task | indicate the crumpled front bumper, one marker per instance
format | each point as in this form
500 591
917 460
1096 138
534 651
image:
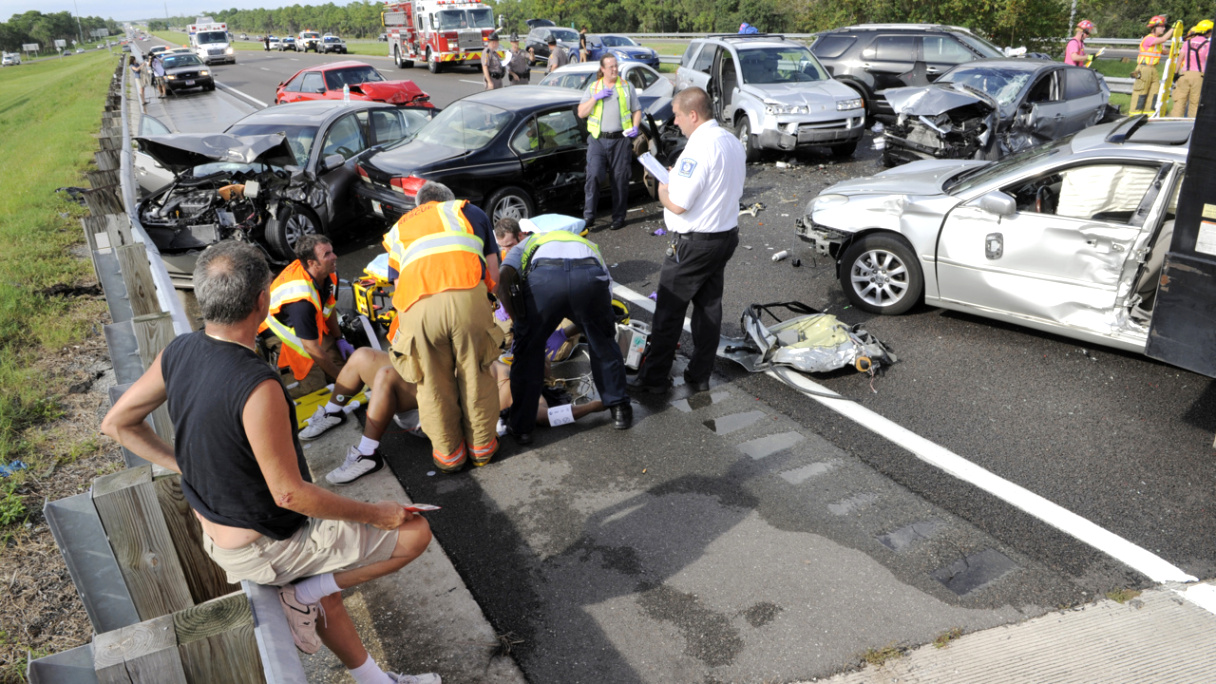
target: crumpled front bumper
790 136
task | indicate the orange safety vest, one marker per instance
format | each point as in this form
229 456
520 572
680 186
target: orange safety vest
1149 54
435 250
294 284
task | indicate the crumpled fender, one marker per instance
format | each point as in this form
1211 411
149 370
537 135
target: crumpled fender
932 100
393 92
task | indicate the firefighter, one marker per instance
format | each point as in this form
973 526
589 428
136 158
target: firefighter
492 70
1074 51
1192 62
1144 90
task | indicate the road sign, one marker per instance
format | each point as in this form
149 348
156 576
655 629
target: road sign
30 47
60 43
99 33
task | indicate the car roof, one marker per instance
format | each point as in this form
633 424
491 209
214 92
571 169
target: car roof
311 111
591 67
900 27
752 40
1013 63
1157 137
526 98
330 66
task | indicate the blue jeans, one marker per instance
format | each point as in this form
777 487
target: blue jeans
580 292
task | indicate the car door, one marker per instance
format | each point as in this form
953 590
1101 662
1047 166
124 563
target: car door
552 149
724 86
1059 257
940 53
697 74
1085 103
291 90
1045 105
887 57
346 136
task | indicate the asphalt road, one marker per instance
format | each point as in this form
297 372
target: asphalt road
753 535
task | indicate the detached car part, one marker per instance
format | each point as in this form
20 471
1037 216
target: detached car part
812 342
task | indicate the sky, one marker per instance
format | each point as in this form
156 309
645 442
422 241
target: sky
139 9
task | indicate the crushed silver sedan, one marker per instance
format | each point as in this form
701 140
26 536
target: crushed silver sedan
1067 237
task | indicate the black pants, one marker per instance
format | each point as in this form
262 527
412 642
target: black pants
580 292
695 273
614 159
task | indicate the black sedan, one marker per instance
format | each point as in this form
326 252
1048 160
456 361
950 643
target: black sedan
272 177
514 152
186 71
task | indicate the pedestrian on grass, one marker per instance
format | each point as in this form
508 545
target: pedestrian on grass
701 210
613 115
243 471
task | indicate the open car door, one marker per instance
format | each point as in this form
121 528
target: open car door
1183 328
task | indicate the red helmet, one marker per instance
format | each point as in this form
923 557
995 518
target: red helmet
1158 20
1085 25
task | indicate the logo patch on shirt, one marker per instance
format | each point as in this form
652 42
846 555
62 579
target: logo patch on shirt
686 167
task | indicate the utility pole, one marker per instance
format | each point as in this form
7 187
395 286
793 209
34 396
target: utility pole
79 29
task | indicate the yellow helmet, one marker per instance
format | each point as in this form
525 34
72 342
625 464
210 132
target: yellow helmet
1203 27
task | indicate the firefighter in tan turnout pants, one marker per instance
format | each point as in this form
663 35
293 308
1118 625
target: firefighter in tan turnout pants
1192 62
444 261
1147 73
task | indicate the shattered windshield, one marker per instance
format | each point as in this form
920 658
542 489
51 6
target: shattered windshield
300 138
974 178
780 65
1004 85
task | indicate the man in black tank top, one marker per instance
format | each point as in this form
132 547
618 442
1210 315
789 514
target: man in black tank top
244 473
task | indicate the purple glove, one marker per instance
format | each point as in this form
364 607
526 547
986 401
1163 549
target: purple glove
346 348
501 314
632 133
554 343
604 93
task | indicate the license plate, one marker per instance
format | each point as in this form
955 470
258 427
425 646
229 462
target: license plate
189 82
376 208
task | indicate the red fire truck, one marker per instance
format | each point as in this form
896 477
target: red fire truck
438 32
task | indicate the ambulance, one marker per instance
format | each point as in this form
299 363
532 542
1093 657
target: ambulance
210 41
438 32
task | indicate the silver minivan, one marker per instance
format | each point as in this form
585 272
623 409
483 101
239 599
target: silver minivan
774 93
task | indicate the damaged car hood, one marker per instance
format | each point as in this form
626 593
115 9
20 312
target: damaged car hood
918 178
935 99
184 151
822 94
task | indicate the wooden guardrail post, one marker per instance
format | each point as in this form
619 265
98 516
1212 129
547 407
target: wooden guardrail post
216 641
137 274
205 579
143 653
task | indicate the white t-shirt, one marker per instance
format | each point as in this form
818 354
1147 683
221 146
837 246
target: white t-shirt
707 180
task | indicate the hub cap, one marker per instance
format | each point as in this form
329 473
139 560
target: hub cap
510 207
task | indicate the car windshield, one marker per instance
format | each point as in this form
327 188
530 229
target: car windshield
619 41
787 64
465 126
306 34
299 137
336 78
980 45
459 19
1009 166
212 37
175 61
289 39
1004 85
567 35
332 39
574 81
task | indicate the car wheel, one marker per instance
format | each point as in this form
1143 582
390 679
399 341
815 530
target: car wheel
750 150
283 232
509 202
844 149
432 62
880 274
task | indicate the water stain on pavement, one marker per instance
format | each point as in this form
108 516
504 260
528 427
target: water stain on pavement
708 635
733 422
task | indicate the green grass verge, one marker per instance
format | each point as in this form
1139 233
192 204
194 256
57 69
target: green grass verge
1114 68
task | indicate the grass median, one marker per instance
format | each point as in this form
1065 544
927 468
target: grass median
49 116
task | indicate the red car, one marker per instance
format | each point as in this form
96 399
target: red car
326 82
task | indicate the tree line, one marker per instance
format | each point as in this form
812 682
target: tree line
35 27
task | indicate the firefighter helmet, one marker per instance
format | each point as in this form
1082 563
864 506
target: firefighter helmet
1086 25
1204 26
1158 20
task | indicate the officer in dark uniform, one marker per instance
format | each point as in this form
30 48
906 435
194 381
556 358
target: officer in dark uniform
492 70
547 277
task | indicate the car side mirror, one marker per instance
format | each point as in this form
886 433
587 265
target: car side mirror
333 161
999 203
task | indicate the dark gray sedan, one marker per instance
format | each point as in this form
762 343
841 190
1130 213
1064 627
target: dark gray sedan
186 71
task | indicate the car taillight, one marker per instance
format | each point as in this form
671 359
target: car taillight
363 174
408 186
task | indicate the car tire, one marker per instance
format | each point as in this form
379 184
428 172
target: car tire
843 150
293 222
880 274
750 150
432 63
509 202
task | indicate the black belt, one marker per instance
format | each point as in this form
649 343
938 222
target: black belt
561 263
708 236
612 135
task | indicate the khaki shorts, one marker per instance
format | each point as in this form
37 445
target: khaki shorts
318 547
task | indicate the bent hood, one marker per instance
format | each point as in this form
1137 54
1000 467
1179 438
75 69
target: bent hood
935 99
918 178
188 150
392 92
812 94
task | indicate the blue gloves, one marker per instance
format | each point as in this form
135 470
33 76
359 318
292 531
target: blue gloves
346 348
632 133
604 93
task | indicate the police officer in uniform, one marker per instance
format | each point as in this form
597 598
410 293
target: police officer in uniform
701 210
519 64
557 55
492 70
613 113
547 277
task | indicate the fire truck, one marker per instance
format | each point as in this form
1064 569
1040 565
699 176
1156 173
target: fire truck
438 32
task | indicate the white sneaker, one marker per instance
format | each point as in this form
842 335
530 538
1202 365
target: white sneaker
355 466
321 422
428 678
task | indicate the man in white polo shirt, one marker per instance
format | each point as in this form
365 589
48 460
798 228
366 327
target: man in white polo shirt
701 209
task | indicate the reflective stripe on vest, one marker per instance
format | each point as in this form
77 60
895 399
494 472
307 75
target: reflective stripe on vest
534 242
428 258
1149 54
286 334
295 284
622 99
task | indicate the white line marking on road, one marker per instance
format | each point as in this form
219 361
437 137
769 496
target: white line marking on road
465 80
264 69
1147 563
247 96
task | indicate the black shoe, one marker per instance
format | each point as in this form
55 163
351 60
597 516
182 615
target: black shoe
696 385
637 386
590 225
622 416
616 226
521 438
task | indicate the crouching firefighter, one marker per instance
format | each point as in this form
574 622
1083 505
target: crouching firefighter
303 316
444 261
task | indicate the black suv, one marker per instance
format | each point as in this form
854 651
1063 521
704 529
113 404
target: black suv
873 57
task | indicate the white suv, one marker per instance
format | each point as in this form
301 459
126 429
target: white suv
774 93
10 59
